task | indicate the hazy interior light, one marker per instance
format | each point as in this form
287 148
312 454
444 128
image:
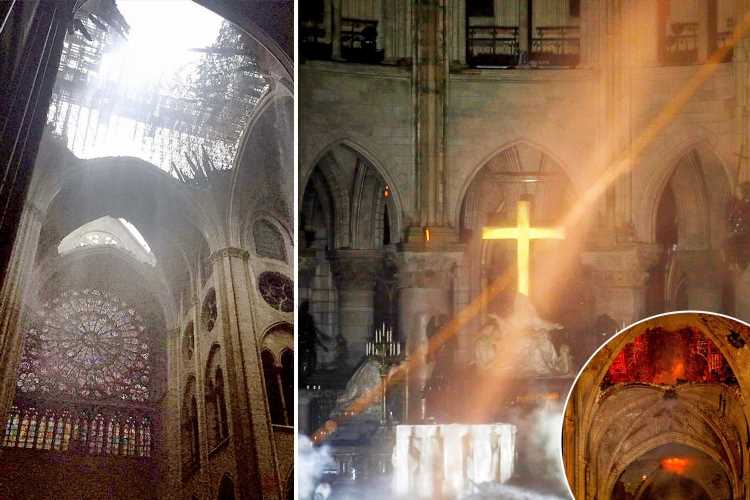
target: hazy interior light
136 234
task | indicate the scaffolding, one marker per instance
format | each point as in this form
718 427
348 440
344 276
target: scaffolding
188 124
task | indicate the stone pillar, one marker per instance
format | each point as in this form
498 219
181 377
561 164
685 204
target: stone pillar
336 30
741 63
249 418
457 32
430 82
703 31
620 277
32 41
304 400
425 281
354 272
170 444
14 289
396 29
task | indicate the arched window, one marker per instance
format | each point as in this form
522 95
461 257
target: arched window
277 358
87 345
188 342
216 404
87 354
273 388
221 404
268 241
226 489
287 383
209 311
108 231
190 431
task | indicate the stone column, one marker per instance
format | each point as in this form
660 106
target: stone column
741 63
703 31
304 400
249 418
354 272
457 32
396 28
430 82
27 74
18 277
336 30
170 446
425 281
620 276
387 30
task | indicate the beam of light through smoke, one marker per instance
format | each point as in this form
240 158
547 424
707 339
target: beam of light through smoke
622 165
495 491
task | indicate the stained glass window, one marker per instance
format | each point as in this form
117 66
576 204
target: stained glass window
89 345
189 341
216 405
273 388
268 241
209 311
190 439
277 290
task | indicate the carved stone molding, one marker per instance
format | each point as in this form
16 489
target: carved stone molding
356 269
434 270
230 252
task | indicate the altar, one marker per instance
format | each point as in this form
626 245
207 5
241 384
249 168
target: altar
448 461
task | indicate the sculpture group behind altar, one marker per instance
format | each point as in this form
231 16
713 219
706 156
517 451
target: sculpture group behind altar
521 343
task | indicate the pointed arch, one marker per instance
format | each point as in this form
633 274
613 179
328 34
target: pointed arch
703 165
495 153
190 429
217 415
348 204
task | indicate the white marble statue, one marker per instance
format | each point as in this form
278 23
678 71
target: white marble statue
365 379
521 343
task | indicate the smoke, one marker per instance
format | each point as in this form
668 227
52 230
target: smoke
542 441
311 463
495 491
539 474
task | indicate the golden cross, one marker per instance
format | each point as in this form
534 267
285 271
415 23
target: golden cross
523 233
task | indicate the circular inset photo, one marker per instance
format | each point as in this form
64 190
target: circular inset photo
660 411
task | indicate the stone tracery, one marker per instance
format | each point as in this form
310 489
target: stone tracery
87 344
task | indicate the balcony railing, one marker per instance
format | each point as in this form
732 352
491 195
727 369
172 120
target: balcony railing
359 39
315 42
681 44
93 431
556 46
492 45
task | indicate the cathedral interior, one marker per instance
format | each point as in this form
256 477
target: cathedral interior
605 143
147 297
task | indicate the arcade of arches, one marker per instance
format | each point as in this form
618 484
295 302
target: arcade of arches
147 306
